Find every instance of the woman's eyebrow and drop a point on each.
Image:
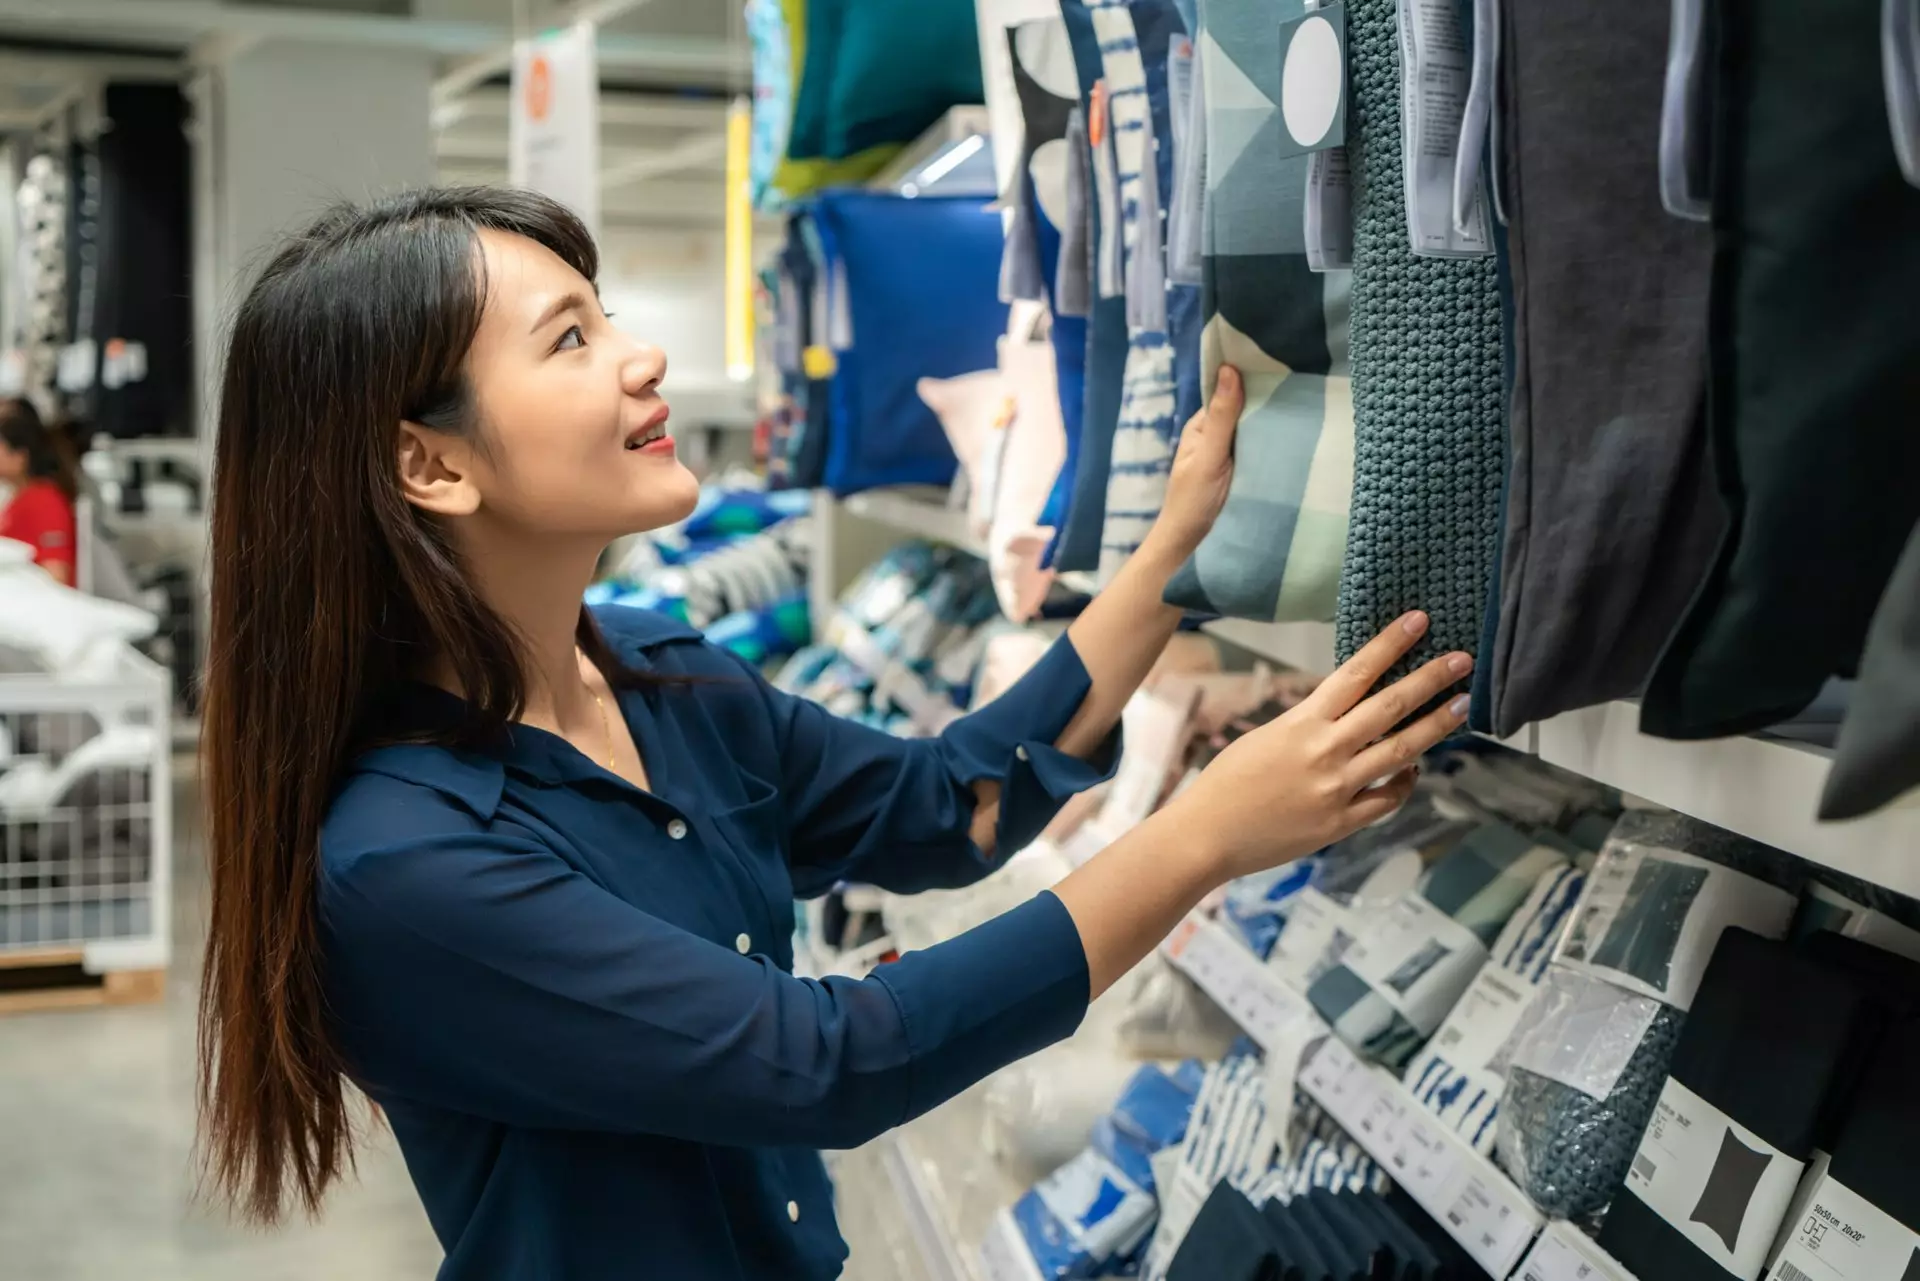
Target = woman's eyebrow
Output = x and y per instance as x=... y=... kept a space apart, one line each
x=558 y=307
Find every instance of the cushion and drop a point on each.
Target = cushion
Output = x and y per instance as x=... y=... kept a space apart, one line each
x=877 y=73
x=1032 y=451
x=917 y=277
x=973 y=409
x=1877 y=758
x=1611 y=520
x=1276 y=550
x=1428 y=406
x=1815 y=369
x=1135 y=39
x=1077 y=542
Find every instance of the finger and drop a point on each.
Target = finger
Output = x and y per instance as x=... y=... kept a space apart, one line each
x=1350 y=681
x=1229 y=398
x=1211 y=431
x=1378 y=715
x=1397 y=751
x=1375 y=803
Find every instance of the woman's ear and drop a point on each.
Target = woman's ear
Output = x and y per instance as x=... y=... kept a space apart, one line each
x=437 y=471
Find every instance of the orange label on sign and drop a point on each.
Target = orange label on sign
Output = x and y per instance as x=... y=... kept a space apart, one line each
x=539 y=88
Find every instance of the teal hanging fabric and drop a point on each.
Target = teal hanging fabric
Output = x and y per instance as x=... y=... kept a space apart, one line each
x=1428 y=401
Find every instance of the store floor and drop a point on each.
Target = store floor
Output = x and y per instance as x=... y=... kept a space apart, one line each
x=96 y=1135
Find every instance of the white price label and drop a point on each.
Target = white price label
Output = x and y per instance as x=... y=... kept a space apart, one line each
x=1485 y=1220
x=1564 y=1254
x=1424 y=1162
x=1232 y=976
x=1330 y=1075
x=1379 y=1127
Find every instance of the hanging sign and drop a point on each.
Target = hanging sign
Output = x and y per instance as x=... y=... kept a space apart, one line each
x=553 y=131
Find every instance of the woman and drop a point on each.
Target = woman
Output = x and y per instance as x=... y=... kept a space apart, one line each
x=524 y=873
x=36 y=464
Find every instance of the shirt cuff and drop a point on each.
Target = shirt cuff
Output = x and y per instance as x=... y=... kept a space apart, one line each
x=988 y=997
x=1012 y=741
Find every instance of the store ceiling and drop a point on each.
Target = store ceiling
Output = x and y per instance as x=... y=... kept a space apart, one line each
x=667 y=69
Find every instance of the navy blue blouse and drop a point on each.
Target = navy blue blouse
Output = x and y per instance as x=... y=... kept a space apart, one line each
x=574 y=998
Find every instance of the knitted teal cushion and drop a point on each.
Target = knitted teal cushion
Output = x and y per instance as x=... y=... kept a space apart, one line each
x=1428 y=407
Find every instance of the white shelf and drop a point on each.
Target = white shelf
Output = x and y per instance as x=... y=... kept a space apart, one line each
x=1464 y=1192
x=1761 y=788
x=917 y=512
x=1307 y=647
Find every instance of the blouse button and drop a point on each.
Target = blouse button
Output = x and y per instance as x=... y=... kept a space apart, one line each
x=677 y=829
x=1019 y=753
x=743 y=945
x=793 y=1212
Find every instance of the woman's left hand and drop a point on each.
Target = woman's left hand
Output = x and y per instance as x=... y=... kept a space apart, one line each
x=1202 y=470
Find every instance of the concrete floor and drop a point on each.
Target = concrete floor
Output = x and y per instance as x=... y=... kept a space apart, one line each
x=96 y=1132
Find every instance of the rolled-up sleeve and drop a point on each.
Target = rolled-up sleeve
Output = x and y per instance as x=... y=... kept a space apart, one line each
x=864 y=805
x=482 y=973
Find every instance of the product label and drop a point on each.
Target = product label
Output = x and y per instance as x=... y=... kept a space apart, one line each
x=1563 y=1254
x=1328 y=221
x=1435 y=75
x=1719 y=1184
x=1486 y=1219
x=1313 y=80
x=1418 y=958
x=1476 y=1032
x=1318 y=933
x=1581 y=1031
x=1650 y=918
x=1842 y=1236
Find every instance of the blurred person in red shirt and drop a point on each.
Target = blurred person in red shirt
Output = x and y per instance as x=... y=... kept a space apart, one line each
x=36 y=463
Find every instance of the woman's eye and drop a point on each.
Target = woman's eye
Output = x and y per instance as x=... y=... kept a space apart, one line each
x=570 y=340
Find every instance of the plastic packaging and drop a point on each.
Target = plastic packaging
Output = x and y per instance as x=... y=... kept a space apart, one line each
x=1587 y=1065
x=1166 y=1016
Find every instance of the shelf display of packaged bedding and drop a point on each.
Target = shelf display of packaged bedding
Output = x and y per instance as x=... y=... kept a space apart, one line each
x=1501 y=1021
x=736 y=569
x=1520 y=1028
x=901 y=651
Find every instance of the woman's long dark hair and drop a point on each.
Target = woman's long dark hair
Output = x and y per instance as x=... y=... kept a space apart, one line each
x=329 y=588
x=49 y=457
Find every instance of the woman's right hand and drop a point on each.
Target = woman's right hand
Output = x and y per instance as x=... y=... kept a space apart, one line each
x=1327 y=767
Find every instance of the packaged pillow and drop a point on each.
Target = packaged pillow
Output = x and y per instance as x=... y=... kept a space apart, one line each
x=1461 y=1073
x=1587 y=1065
x=1409 y=965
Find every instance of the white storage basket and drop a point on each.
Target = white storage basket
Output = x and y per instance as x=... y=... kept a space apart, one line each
x=86 y=817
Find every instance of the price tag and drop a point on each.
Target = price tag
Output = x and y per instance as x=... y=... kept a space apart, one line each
x=1484 y=1219
x=1330 y=1077
x=1563 y=1253
x=1379 y=1128
x=1232 y=976
x=1424 y=1163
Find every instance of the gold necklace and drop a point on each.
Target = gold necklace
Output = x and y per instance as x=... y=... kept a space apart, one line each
x=606 y=726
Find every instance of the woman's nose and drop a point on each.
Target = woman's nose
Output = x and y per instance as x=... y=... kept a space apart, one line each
x=645 y=367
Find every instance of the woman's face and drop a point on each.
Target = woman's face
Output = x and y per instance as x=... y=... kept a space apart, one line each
x=571 y=438
x=13 y=464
